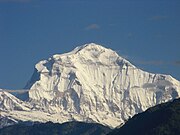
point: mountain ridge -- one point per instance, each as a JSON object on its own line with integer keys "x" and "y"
{"x": 163, "y": 119}
{"x": 68, "y": 128}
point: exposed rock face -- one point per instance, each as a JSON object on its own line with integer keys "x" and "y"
{"x": 93, "y": 83}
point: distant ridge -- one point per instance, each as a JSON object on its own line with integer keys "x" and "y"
{"x": 49, "y": 128}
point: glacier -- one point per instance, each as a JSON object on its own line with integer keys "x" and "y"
{"x": 90, "y": 84}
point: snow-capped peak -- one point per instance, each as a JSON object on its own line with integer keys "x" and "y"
{"x": 88, "y": 47}
{"x": 88, "y": 50}
{"x": 93, "y": 83}
{"x": 87, "y": 54}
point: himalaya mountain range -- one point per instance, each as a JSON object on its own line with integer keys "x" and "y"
{"x": 90, "y": 84}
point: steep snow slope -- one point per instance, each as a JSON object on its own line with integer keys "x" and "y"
{"x": 93, "y": 83}
{"x": 13, "y": 110}
{"x": 10, "y": 102}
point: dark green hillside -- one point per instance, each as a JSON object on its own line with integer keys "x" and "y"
{"x": 49, "y": 128}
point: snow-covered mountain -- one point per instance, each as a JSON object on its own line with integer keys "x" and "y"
{"x": 90, "y": 84}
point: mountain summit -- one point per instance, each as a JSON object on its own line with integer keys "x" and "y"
{"x": 91, "y": 84}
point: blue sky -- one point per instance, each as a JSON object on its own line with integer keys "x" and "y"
{"x": 147, "y": 33}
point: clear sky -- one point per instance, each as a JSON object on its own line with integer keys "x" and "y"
{"x": 146, "y": 32}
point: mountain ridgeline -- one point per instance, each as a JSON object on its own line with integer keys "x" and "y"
{"x": 163, "y": 119}
{"x": 49, "y": 128}
{"x": 89, "y": 84}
